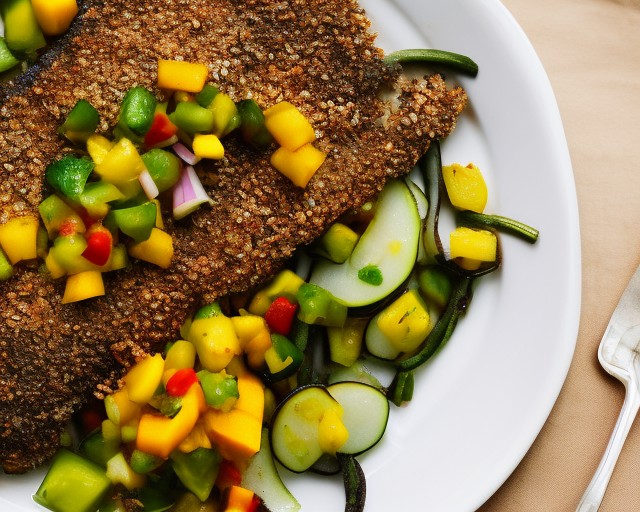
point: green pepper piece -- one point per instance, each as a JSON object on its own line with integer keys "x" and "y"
{"x": 318, "y": 306}
{"x": 192, "y": 118}
{"x": 6, "y": 269}
{"x": 72, "y": 484}
{"x": 225, "y": 114}
{"x": 81, "y": 122}
{"x": 401, "y": 389}
{"x": 96, "y": 196}
{"x": 136, "y": 221}
{"x": 137, "y": 110}
{"x": 435, "y": 285}
{"x": 284, "y": 349}
{"x": 337, "y": 243}
{"x": 143, "y": 463}
{"x": 166, "y": 404}
{"x": 252, "y": 126}
{"x": 21, "y": 29}
{"x": 54, "y": 211}
{"x": 208, "y": 311}
{"x": 7, "y": 59}
{"x": 97, "y": 449}
{"x": 69, "y": 175}
{"x": 206, "y": 95}
{"x": 220, "y": 389}
{"x": 163, "y": 166}
{"x": 197, "y": 470}
{"x": 67, "y": 251}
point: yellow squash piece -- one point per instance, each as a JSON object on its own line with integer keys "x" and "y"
{"x": 181, "y": 76}
{"x": 207, "y": 146}
{"x": 157, "y": 249}
{"x": 466, "y": 187}
{"x": 159, "y": 435}
{"x": 299, "y": 165}
{"x": 144, "y": 378}
{"x": 288, "y": 126}
{"x": 18, "y": 238}
{"x": 54, "y": 16}
{"x": 405, "y": 322}
{"x": 83, "y": 285}
{"x": 473, "y": 244}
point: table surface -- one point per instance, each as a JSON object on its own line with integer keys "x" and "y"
{"x": 591, "y": 52}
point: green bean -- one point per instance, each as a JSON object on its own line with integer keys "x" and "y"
{"x": 452, "y": 60}
{"x": 355, "y": 485}
{"x": 499, "y": 223}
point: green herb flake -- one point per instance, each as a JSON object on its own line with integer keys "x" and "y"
{"x": 371, "y": 275}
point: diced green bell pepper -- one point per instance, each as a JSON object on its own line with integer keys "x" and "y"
{"x": 72, "y": 484}
{"x": 163, "y": 166}
{"x": 167, "y": 405}
{"x": 137, "y": 110}
{"x": 81, "y": 123}
{"x": 197, "y": 470}
{"x": 220, "y": 389}
{"x": 69, "y": 175}
{"x": 7, "y": 59}
{"x": 97, "y": 449}
{"x": 337, "y": 243}
{"x": 143, "y": 463}
{"x": 21, "y": 29}
{"x": 252, "y": 126}
{"x": 192, "y": 118}
{"x": 435, "y": 285}
{"x": 6, "y": 269}
{"x": 136, "y": 221}
{"x": 225, "y": 115}
{"x": 67, "y": 251}
{"x": 318, "y": 306}
{"x": 206, "y": 95}
{"x": 54, "y": 211}
{"x": 96, "y": 197}
{"x": 208, "y": 311}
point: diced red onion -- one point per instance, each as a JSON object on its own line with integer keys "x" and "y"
{"x": 188, "y": 193}
{"x": 148, "y": 185}
{"x": 185, "y": 154}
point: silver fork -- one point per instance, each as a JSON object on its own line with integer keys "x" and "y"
{"x": 619, "y": 355}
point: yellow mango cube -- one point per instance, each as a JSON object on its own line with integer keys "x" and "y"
{"x": 251, "y": 399}
{"x": 474, "y": 244}
{"x": 83, "y": 285}
{"x": 98, "y": 146}
{"x": 18, "y": 238}
{"x": 239, "y": 499}
{"x": 54, "y": 16}
{"x": 144, "y": 378}
{"x": 182, "y": 354}
{"x": 405, "y": 322}
{"x": 288, "y": 126}
{"x": 157, "y": 249}
{"x": 466, "y": 187}
{"x": 181, "y": 76}
{"x": 286, "y": 284}
{"x": 332, "y": 434}
{"x": 121, "y": 165}
{"x": 299, "y": 165}
{"x": 207, "y": 146}
{"x": 236, "y": 433}
{"x": 120, "y": 409}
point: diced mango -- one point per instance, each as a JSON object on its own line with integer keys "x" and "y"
{"x": 225, "y": 114}
{"x": 475, "y": 244}
{"x": 257, "y": 347}
{"x": 286, "y": 284}
{"x": 121, "y": 410}
{"x": 121, "y": 166}
{"x": 83, "y": 285}
{"x": 236, "y": 433}
{"x": 18, "y": 238}
{"x": 181, "y": 76}
{"x": 288, "y": 126}
{"x": 55, "y": 269}
{"x": 299, "y": 165}
{"x": 54, "y": 16}
{"x": 144, "y": 378}
{"x": 466, "y": 187}
{"x": 159, "y": 221}
{"x": 251, "y": 399}
{"x": 98, "y": 146}
{"x": 207, "y": 146}
{"x": 215, "y": 340}
{"x": 182, "y": 354}
{"x": 239, "y": 499}
{"x": 119, "y": 472}
{"x": 157, "y": 249}
{"x": 197, "y": 438}
{"x": 405, "y": 322}
{"x": 247, "y": 327}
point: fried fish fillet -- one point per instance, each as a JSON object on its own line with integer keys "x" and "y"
{"x": 318, "y": 54}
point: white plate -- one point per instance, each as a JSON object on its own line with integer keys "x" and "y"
{"x": 479, "y": 406}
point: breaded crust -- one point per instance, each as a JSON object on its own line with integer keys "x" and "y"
{"x": 317, "y": 54}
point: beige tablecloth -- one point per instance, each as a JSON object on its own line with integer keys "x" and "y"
{"x": 591, "y": 52}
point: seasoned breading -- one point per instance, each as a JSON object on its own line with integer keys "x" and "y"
{"x": 317, "y": 54}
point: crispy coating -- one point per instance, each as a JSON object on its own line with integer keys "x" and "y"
{"x": 317, "y": 54}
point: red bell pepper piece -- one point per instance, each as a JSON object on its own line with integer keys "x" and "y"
{"x": 181, "y": 381}
{"x": 255, "y": 503}
{"x": 161, "y": 130}
{"x": 228, "y": 475}
{"x": 279, "y": 316}
{"x": 99, "y": 245}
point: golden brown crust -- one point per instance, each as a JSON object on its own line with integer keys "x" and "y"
{"x": 317, "y": 54}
